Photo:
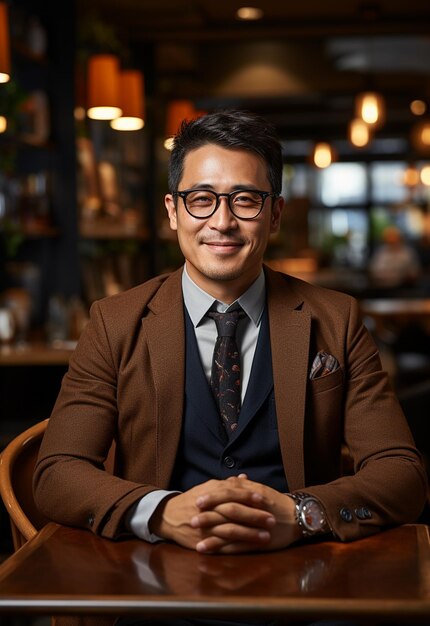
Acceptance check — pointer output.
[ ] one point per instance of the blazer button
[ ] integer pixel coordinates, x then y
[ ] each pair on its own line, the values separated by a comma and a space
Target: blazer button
91, 519
363, 513
229, 462
345, 514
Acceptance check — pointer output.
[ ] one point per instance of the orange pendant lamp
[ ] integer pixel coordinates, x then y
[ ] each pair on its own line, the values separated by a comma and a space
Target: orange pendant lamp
131, 100
177, 111
4, 44
103, 87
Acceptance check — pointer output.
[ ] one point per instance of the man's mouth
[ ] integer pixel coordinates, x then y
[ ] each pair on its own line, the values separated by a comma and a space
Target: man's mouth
224, 246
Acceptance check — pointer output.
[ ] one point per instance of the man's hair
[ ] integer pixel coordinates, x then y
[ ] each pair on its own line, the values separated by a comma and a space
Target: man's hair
232, 129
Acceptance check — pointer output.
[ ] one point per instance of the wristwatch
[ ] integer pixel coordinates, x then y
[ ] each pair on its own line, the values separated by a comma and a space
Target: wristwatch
310, 515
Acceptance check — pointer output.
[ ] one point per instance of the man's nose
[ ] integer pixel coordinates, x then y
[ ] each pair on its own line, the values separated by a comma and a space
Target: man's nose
223, 218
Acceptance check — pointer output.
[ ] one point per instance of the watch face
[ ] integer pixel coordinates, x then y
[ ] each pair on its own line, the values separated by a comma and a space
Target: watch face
311, 515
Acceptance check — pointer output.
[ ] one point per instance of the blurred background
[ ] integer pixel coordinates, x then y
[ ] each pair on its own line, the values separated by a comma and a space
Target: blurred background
82, 216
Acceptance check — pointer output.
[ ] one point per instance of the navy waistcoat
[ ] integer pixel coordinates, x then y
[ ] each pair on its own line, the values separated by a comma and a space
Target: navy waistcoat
204, 451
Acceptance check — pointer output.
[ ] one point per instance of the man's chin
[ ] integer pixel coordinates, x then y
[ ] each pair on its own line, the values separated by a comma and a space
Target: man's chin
222, 275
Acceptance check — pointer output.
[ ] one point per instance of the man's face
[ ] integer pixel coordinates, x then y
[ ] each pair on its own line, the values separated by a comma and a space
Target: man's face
223, 253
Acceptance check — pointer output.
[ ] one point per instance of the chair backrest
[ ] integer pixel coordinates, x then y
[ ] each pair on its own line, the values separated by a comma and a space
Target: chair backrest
17, 463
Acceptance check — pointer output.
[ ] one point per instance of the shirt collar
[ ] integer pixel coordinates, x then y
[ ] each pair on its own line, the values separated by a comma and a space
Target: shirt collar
198, 302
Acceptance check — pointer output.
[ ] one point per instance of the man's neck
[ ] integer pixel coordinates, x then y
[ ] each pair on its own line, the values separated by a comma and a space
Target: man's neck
226, 291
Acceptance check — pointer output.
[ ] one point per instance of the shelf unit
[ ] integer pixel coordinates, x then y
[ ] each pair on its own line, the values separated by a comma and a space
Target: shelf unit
40, 180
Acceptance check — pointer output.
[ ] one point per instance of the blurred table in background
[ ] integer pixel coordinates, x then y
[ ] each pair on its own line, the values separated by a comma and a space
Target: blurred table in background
36, 353
401, 327
398, 309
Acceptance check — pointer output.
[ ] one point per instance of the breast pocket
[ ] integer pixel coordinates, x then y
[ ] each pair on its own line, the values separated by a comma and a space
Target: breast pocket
328, 382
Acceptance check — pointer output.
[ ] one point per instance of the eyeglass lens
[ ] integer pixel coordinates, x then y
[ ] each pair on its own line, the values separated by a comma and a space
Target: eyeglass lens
244, 204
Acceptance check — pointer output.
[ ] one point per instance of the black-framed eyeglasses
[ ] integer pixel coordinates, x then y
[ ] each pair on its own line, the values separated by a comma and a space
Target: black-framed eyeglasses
245, 204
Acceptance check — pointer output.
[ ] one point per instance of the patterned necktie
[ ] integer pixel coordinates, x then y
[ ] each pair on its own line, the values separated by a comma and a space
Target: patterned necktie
225, 376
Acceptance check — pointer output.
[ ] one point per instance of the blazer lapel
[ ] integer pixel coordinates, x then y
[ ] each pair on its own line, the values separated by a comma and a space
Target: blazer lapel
290, 328
165, 337
260, 380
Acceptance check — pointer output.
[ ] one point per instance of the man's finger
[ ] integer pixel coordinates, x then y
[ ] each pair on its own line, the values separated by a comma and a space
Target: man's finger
234, 512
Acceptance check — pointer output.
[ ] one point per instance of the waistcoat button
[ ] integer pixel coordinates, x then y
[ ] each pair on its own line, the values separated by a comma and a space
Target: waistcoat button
229, 462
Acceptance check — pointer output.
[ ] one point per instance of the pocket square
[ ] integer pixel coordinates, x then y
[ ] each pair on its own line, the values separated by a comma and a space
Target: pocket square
323, 364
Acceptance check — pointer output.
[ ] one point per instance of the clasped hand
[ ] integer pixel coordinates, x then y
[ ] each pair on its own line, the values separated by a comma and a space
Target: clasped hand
228, 516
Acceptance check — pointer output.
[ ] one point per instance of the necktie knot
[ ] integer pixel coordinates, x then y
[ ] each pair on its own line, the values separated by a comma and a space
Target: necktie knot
226, 323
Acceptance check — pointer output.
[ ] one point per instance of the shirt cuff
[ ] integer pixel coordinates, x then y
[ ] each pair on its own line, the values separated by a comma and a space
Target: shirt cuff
138, 518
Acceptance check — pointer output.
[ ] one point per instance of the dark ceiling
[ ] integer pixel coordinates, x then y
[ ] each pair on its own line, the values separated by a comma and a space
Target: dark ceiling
144, 20
301, 64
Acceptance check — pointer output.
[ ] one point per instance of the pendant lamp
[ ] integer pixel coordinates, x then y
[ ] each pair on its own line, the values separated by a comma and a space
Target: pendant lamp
370, 107
420, 137
177, 111
4, 44
425, 175
103, 87
131, 99
359, 133
323, 155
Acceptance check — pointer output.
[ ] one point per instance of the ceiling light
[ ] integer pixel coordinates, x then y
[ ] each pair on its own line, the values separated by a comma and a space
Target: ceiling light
249, 13
425, 175
3, 124
323, 155
420, 136
103, 87
425, 134
177, 111
359, 134
4, 44
418, 107
411, 176
79, 113
370, 108
131, 93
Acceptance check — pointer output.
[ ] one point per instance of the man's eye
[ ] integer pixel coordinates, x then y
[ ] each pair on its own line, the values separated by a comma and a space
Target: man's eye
200, 198
246, 198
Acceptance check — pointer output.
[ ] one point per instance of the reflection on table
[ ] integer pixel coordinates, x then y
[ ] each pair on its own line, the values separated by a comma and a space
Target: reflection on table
69, 571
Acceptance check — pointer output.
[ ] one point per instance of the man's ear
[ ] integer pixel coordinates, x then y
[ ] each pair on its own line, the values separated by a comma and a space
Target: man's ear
276, 214
171, 211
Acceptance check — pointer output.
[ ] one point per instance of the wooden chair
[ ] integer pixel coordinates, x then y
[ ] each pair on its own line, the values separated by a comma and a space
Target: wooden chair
17, 463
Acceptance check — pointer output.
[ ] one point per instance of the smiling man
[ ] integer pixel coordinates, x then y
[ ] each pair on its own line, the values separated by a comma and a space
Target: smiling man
223, 237
228, 388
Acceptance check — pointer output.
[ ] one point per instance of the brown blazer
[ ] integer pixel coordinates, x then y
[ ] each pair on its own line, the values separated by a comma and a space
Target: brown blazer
126, 381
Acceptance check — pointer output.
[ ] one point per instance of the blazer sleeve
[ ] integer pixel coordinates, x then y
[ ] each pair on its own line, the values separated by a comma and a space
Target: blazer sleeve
389, 483
70, 484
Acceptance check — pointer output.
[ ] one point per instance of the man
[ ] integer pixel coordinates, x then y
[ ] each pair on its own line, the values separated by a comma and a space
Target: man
311, 380
395, 263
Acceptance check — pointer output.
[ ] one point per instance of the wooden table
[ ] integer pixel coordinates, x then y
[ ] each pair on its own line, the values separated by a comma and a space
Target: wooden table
36, 353
69, 571
396, 313
396, 308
